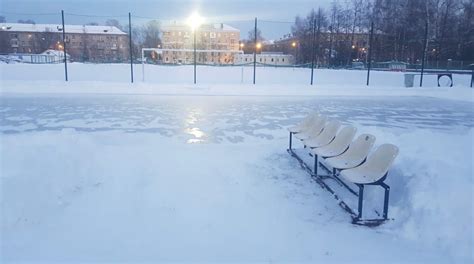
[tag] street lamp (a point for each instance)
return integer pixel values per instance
(294, 44)
(195, 21)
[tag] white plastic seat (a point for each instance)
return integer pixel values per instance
(314, 130)
(375, 168)
(325, 137)
(338, 145)
(355, 154)
(305, 124)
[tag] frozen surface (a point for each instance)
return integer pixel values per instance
(206, 178)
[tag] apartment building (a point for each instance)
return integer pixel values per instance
(220, 42)
(83, 42)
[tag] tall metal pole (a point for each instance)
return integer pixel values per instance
(313, 55)
(194, 56)
(255, 54)
(371, 43)
(472, 77)
(64, 46)
(423, 59)
(130, 41)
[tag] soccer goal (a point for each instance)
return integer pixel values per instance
(209, 57)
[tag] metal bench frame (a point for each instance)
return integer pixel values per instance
(333, 174)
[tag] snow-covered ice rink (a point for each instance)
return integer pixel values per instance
(102, 171)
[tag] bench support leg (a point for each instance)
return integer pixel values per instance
(385, 200)
(361, 200)
(291, 135)
(315, 170)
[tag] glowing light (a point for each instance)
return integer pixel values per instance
(195, 21)
(293, 44)
(191, 129)
(242, 45)
(259, 45)
(353, 46)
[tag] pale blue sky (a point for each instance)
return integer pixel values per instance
(238, 13)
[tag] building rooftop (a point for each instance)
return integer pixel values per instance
(176, 26)
(18, 27)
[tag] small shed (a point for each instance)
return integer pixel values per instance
(396, 65)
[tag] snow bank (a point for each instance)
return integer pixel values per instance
(165, 75)
(432, 188)
(156, 199)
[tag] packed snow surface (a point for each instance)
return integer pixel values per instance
(149, 172)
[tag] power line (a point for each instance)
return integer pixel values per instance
(30, 14)
(276, 21)
(98, 16)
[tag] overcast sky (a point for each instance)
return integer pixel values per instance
(238, 13)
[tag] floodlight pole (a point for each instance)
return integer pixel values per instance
(472, 77)
(423, 59)
(194, 56)
(313, 55)
(371, 40)
(130, 40)
(255, 53)
(64, 46)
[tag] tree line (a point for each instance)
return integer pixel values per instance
(340, 34)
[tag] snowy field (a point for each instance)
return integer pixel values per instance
(98, 170)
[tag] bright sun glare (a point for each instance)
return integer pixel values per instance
(195, 20)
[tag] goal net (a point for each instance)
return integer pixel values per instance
(210, 57)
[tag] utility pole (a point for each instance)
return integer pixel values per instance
(312, 50)
(130, 41)
(371, 43)
(255, 54)
(195, 55)
(64, 46)
(423, 59)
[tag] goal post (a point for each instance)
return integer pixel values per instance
(160, 51)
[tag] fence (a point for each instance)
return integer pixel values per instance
(134, 48)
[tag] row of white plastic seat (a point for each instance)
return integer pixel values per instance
(339, 151)
(351, 159)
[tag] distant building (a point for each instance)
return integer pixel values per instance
(220, 41)
(83, 43)
(266, 58)
(48, 56)
(352, 45)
